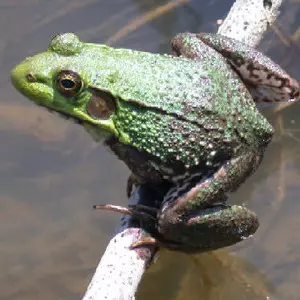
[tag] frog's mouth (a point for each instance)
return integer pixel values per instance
(65, 116)
(97, 134)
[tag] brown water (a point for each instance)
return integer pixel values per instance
(51, 172)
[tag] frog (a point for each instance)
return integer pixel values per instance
(186, 123)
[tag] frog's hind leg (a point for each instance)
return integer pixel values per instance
(266, 80)
(196, 220)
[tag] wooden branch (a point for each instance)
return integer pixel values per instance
(248, 20)
(121, 269)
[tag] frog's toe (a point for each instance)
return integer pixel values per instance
(141, 212)
(158, 241)
(116, 208)
(145, 239)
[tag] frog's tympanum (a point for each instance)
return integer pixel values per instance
(188, 121)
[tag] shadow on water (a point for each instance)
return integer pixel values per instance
(51, 172)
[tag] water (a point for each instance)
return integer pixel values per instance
(51, 172)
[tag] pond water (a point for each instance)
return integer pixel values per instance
(52, 172)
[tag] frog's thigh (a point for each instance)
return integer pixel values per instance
(265, 79)
(211, 190)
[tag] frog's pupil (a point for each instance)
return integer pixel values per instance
(68, 84)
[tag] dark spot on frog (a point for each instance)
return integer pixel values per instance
(158, 117)
(242, 138)
(203, 77)
(267, 100)
(269, 76)
(223, 121)
(283, 81)
(238, 61)
(113, 77)
(251, 68)
(236, 116)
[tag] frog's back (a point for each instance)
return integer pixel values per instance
(204, 92)
(181, 110)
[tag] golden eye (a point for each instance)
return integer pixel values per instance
(68, 83)
(101, 105)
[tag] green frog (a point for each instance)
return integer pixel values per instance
(185, 122)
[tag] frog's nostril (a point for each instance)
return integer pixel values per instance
(30, 77)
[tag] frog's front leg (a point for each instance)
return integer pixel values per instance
(194, 219)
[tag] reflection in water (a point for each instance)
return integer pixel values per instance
(52, 172)
(209, 276)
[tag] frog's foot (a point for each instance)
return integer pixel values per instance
(145, 240)
(116, 208)
(265, 80)
(142, 213)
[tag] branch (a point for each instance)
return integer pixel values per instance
(121, 269)
(248, 20)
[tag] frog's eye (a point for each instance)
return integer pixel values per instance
(68, 83)
(101, 105)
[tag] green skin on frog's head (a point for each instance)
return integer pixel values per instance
(189, 120)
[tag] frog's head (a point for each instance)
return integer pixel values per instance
(60, 80)
(114, 93)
